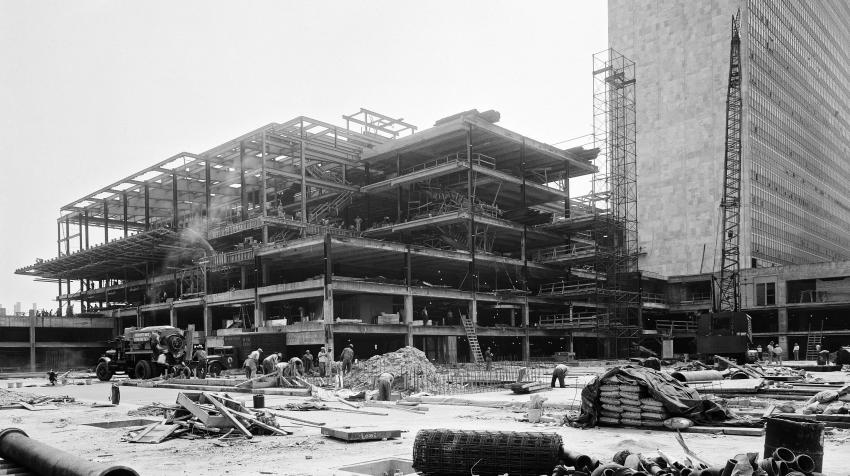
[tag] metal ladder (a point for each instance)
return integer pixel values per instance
(812, 341)
(472, 337)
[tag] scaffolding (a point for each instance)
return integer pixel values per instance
(614, 191)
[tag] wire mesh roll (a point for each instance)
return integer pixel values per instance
(457, 452)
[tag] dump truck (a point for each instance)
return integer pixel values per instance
(136, 351)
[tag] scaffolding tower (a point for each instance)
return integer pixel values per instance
(614, 188)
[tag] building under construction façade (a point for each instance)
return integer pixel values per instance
(304, 233)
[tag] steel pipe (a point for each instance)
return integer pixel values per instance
(18, 447)
(696, 375)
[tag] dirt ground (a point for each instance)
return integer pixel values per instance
(307, 452)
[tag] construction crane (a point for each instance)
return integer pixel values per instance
(730, 264)
(726, 330)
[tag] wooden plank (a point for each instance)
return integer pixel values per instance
(226, 413)
(35, 408)
(155, 433)
(257, 422)
(299, 420)
(255, 379)
(726, 430)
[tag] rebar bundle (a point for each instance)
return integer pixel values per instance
(458, 452)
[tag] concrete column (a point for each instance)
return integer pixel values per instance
(328, 319)
(243, 277)
(328, 305)
(408, 318)
(473, 310)
(32, 343)
(259, 314)
(450, 349)
(782, 338)
(513, 317)
(172, 317)
(208, 320)
(264, 269)
(526, 340)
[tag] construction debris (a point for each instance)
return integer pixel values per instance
(206, 415)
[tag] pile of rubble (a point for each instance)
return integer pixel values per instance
(410, 367)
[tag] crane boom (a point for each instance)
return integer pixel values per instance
(729, 299)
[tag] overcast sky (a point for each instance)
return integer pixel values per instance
(93, 91)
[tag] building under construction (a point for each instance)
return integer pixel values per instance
(454, 238)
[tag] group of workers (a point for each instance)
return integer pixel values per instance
(297, 367)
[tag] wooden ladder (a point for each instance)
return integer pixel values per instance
(472, 337)
(812, 341)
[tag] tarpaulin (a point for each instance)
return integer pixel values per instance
(677, 399)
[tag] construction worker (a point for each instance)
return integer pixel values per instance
(250, 364)
(308, 362)
(295, 368)
(280, 368)
(384, 385)
(796, 351)
(270, 362)
(770, 353)
(200, 356)
(777, 354)
(347, 357)
(488, 359)
(323, 362)
(162, 363)
(558, 374)
(51, 376)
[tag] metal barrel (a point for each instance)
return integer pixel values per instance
(46, 460)
(801, 437)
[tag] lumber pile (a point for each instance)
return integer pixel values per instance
(529, 387)
(207, 415)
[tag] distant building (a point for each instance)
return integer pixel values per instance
(796, 128)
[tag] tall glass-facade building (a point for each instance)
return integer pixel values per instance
(796, 128)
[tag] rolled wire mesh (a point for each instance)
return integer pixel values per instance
(464, 452)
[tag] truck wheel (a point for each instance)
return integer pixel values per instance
(102, 372)
(215, 369)
(143, 370)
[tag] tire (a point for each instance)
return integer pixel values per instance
(143, 370)
(215, 369)
(176, 343)
(102, 371)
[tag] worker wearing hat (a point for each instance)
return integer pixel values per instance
(250, 364)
